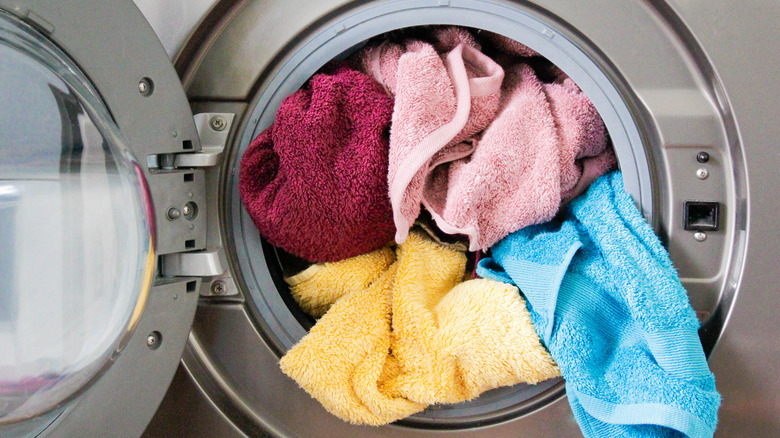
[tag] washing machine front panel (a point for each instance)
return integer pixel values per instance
(740, 38)
(99, 299)
(651, 80)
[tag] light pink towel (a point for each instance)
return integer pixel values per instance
(583, 138)
(528, 160)
(440, 101)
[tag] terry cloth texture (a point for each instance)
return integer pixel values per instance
(315, 182)
(317, 287)
(416, 336)
(442, 98)
(606, 300)
(508, 45)
(547, 144)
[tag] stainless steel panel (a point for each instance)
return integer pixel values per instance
(174, 20)
(239, 375)
(739, 38)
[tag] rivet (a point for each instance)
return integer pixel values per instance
(702, 173)
(700, 236)
(173, 213)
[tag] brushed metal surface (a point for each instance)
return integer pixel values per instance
(240, 375)
(174, 20)
(739, 38)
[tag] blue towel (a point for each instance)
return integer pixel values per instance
(608, 304)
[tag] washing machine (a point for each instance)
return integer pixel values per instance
(139, 299)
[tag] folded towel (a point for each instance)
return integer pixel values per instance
(606, 300)
(526, 162)
(440, 101)
(315, 182)
(415, 336)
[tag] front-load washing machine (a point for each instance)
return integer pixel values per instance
(130, 265)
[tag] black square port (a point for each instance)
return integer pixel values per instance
(701, 216)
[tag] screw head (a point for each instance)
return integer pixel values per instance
(145, 87)
(219, 288)
(190, 210)
(702, 157)
(700, 236)
(154, 340)
(702, 173)
(218, 123)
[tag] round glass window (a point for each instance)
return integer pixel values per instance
(76, 247)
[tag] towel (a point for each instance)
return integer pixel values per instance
(315, 182)
(606, 301)
(337, 279)
(416, 336)
(547, 145)
(441, 100)
(508, 45)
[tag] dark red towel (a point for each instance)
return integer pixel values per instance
(315, 182)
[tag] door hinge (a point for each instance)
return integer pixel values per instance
(213, 130)
(209, 262)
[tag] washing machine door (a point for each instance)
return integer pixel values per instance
(102, 219)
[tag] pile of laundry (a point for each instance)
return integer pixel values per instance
(395, 170)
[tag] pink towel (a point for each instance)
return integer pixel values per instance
(508, 45)
(440, 101)
(315, 182)
(527, 161)
(584, 152)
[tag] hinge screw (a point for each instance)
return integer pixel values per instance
(218, 123)
(219, 287)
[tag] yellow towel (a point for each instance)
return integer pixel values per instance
(320, 285)
(416, 336)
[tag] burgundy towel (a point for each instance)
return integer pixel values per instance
(441, 99)
(315, 182)
(546, 145)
